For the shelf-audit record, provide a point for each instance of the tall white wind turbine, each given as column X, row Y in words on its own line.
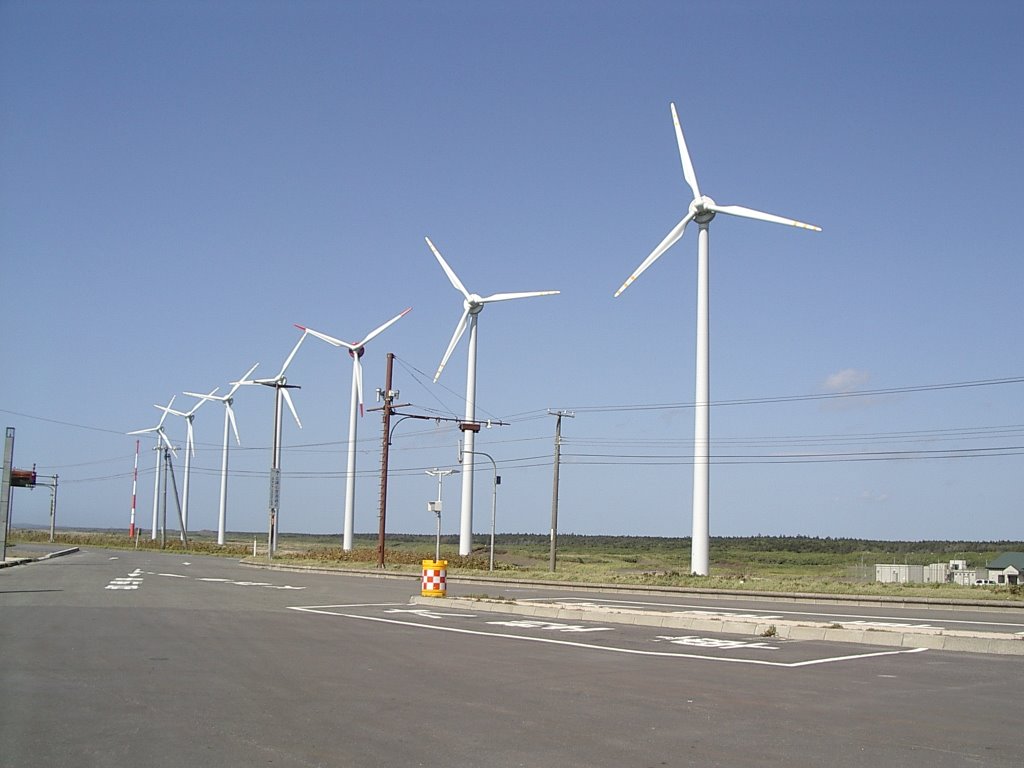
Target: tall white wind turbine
column 472, row 305
column 702, row 209
column 190, row 450
column 355, row 351
column 161, row 441
column 229, row 419
column 280, row 385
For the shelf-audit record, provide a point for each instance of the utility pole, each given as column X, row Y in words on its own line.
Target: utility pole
column 554, row 491
column 389, row 396
column 5, row 490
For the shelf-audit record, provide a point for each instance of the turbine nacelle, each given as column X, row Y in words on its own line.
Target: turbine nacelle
column 702, row 210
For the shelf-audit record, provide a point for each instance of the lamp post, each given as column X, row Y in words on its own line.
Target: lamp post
column 440, row 474
column 494, row 495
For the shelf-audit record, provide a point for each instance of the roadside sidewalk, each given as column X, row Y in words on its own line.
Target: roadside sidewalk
column 21, row 554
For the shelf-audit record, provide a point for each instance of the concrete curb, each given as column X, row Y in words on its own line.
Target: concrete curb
column 893, row 637
column 641, row 589
column 12, row 561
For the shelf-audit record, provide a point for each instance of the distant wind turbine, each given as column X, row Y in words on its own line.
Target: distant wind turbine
column 161, row 440
column 229, row 419
column 280, row 385
column 190, row 450
column 702, row 209
column 355, row 350
column 472, row 305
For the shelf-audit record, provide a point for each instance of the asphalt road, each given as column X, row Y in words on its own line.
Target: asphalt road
column 144, row 659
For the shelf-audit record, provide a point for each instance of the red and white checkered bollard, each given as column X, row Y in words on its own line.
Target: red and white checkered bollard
column 434, row 574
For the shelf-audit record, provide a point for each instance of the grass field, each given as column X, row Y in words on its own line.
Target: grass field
column 759, row 563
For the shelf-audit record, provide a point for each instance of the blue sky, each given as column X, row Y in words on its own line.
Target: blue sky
column 181, row 182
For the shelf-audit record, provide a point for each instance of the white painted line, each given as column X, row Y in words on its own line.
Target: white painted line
column 590, row 646
column 428, row 614
column 549, row 625
column 171, row 575
column 715, row 642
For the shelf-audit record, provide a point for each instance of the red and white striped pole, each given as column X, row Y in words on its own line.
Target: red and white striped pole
column 135, row 482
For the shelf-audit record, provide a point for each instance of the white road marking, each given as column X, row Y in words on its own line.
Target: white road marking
column 131, row 581
column 715, row 642
column 890, row 625
column 171, row 575
column 549, row 625
column 322, row 610
column 428, row 614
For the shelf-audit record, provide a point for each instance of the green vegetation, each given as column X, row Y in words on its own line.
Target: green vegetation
column 757, row 563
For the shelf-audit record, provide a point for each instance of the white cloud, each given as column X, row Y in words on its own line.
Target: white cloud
column 846, row 380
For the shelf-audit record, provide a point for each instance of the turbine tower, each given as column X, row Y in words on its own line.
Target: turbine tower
column 190, row 450
column 702, row 209
column 280, row 386
column 229, row 418
column 472, row 305
column 161, row 438
column 355, row 351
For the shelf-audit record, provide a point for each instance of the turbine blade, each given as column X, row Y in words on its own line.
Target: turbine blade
column 142, row 431
column 291, row 355
column 324, row 337
column 291, row 406
column 448, row 270
column 377, row 331
column 244, row 380
column 205, row 397
column 459, row 330
column 750, row 213
column 234, row 426
column 165, row 441
column 668, row 242
column 202, row 399
column 166, row 410
column 688, row 173
column 521, row 295
column 359, row 380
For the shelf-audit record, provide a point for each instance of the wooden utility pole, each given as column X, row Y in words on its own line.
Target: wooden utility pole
column 554, row 491
column 389, row 396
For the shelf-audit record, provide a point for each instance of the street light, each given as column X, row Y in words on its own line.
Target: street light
column 435, row 506
column 494, row 494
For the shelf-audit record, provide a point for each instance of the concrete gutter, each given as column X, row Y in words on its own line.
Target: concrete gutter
column 893, row 637
column 12, row 561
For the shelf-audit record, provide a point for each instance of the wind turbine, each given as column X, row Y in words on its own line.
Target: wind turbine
column 161, row 440
column 702, row 209
column 281, row 386
column 472, row 305
column 190, row 450
column 355, row 351
column 229, row 418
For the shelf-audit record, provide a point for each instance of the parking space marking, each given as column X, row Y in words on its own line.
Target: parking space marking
column 345, row 611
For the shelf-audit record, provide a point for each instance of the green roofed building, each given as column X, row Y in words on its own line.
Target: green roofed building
column 1007, row 568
